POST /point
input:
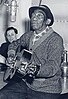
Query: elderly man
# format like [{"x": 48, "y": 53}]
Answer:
[{"x": 47, "y": 48}]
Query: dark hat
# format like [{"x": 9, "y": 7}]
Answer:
[
  {"x": 12, "y": 28},
  {"x": 46, "y": 10}
]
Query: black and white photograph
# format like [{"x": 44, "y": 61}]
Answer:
[{"x": 33, "y": 49}]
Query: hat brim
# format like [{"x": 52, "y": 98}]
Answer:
[{"x": 46, "y": 11}]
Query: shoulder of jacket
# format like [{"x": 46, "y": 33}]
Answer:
[{"x": 56, "y": 35}]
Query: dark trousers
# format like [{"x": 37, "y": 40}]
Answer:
[
  {"x": 31, "y": 94},
  {"x": 17, "y": 89},
  {"x": 64, "y": 96},
  {"x": 14, "y": 91}
]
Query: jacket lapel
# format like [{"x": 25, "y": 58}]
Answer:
[{"x": 37, "y": 43}]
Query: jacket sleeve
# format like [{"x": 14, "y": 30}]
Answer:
[{"x": 51, "y": 65}]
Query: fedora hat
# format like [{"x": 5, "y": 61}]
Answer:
[{"x": 45, "y": 9}]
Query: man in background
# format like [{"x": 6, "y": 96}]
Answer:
[{"x": 10, "y": 36}]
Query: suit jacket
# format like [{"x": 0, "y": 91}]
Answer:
[
  {"x": 48, "y": 53},
  {"x": 4, "y": 49}
]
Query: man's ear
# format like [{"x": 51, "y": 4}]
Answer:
[{"x": 48, "y": 21}]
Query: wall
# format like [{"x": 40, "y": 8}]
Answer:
[
  {"x": 22, "y": 18},
  {"x": 2, "y": 23}
]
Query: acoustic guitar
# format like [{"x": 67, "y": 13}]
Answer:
[{"x": 21, "y": 62}]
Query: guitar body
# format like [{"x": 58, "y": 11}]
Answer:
[
  {"x": 21, "y": 62},
  {"x": 9, "y": 73}
]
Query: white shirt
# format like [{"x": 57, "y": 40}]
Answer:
[{"x": 38, "y": 36}]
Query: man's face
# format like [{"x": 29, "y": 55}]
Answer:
[
  {"x": 11, "y": 36},
  {"x": 37, "y": 19}
]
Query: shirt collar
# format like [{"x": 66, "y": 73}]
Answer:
[{"x": 44, "y": 31}]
